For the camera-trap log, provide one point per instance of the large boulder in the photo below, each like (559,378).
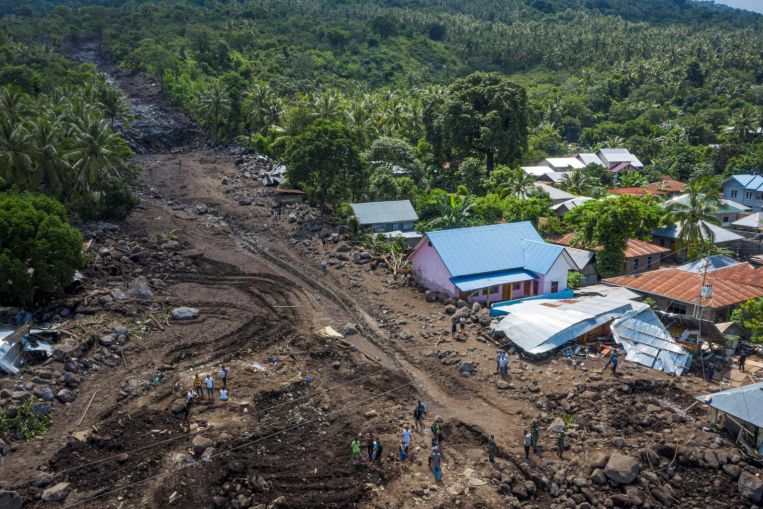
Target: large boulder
(201,443)
(66,395)
(139,289)
(42,407)
(184,313)
(621,469)
(9,500)
(55,493)
(750,486)
(350,329)
(44,392)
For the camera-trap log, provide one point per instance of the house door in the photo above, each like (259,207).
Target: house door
(528,293)
(536,287)
(506,291)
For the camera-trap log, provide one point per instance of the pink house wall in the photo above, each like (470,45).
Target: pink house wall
(429,270)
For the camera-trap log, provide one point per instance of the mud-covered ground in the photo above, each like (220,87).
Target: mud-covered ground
(298,396)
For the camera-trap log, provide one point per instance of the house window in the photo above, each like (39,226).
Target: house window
(662,242)
(725,219)
(517,286)
(635,264)
(379,228)
(407,227)
(554,286)
(648,262)
(493,290)
(676,309)
(734,193)
(760,196)
(748,195)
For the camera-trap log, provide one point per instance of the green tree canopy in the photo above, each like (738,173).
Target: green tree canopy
(39,251)
(749,315)
(483,114)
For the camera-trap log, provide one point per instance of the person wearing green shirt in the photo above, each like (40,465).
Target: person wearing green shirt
(355,446)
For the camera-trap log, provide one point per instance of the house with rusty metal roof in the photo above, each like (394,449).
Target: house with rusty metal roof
(639,255)
(680,290)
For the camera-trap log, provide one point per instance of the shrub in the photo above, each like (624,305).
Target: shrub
(39,250)
(25,422)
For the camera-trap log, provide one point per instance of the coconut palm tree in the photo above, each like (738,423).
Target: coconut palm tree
(695,215)
(15,159)
(579,182)
(98,153)
(112,104)
(213,105)
(454,212)
(517,183)
(12,103)
(50,165)
(632,179)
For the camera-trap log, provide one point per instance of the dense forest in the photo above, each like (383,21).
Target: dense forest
(456,93)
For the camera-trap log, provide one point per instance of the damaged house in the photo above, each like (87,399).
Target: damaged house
(541,326)
(740,412)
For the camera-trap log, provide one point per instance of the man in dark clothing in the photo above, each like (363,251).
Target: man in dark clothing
(710,371)
(491,448)
(370,446)
(418,415)
(560,443)
(453,328)
(742,359)
(535,434)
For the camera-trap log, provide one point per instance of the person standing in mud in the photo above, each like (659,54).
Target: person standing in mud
(436,463)
(407,438)
(324,266)
(378,449)
(491,448)
(355,448)
(527,442)
(560,444)
(535,435)
(613,361)
(209,382)
(418,415)
(224,376)
(370,446)
(742,360)
(197,385)
(453,328)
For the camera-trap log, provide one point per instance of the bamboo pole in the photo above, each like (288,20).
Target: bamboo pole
(87,408)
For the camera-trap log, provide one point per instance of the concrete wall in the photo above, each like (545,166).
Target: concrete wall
(429,270)
(558,272)
(642,264)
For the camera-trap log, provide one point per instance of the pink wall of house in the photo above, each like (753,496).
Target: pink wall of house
(429,270)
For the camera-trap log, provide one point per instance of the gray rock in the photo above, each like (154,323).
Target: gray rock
(171,245)
(732,471)
(58,492)
(20,395)
(467,367)
(343,247)
(121,331)
(66,396)
(621,469)
(750,486)
(350,329)
(118,294)
(450,309)
(711,459)
(9,500)
(370,414)
(431,296)
(139,289)
(107,340)
(201,443)
(201,209)
(534,386)
(44,392)
(179,406)
(184,313)
(598,476)
(503,385)
(460,303)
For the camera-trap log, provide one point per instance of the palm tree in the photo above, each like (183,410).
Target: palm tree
(517,183)
(454,212)
(261,107)
(742,125)
(49,163)
(213,105)
(579,182)
(15,160)
(12,103)
(695,215)
(98,153)
(112,104)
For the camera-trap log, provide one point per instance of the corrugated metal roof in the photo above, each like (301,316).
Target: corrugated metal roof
(744,403)
(753,182)
(554,176)
(484,249)
(581,257)
(378,212)
(634,247)
(720,235)
(542,325)
(537,170)
(564,162)
(753,221)
(554,193)
(539,256)
(635,191)
(475,282)
(731,285)
(590,158)
(618,155)
(647,342)
(571,204)
(709,263)
(724,206)
(667,184)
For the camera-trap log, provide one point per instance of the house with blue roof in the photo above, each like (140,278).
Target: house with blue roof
(745,189)
(492,263)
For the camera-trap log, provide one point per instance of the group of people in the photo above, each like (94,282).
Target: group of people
(208,383)
(502,363)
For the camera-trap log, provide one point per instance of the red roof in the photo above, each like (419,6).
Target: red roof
(731,285)
(668,185)
(635,191)
(634,248)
